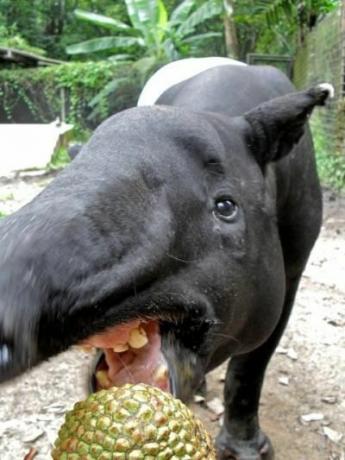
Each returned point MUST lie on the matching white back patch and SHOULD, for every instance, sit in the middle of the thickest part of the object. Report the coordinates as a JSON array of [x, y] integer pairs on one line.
[[175, 72]]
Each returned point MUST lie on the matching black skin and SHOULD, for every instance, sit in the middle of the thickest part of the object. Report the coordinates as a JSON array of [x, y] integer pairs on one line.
[[202, 215]]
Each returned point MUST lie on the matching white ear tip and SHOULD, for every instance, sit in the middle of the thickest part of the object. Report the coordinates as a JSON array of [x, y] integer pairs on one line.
[[328, 87]]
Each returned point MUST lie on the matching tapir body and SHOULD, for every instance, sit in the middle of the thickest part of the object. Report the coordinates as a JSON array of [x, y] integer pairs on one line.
[[196, 217]]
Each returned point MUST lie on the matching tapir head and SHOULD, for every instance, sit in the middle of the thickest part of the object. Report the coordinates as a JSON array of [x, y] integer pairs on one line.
[[158, 245]]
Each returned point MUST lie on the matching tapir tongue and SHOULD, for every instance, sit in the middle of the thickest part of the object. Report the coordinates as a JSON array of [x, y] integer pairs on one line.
[[145, 364]]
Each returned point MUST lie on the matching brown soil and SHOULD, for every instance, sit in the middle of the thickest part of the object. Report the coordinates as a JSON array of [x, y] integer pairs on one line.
[[306, 375]]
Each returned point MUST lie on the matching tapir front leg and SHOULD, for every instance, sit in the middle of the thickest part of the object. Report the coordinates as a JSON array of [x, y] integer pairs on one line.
[[241, 437]]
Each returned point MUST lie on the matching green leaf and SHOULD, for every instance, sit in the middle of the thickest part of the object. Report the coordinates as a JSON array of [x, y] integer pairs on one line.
[[206, 11], [170, 50], [108, 89], [200, 37], [162, 15], [103, 43], [150, 17], [100, 20], [274, 10], [145, 67], [144, 64], [181, 13], [121, 58], [142, 13]]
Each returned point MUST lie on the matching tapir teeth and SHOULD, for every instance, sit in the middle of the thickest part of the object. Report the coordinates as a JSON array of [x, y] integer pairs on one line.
[[161, 372], [121, 347], [103, 379], [86, 348], [138, 338]]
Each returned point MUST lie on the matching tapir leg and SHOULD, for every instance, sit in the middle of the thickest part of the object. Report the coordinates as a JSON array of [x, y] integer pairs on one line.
[[241, 437]]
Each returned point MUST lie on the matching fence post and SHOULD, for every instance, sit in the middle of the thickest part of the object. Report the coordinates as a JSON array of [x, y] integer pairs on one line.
[[63, 104]]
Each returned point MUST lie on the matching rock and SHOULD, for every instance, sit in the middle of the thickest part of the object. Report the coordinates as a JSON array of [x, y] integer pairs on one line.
[[337, 322], [281, 350], [329, 399], [292, 354], [284, 380], [312, 417], [332, 435], [222, 377], [31, 434], [56, 408], [216, 406]]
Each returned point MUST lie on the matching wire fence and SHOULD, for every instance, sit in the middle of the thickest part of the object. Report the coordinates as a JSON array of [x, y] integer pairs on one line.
[[322, 59]]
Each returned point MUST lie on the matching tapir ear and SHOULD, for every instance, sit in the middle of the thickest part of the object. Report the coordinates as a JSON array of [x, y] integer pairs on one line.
[[277, 125]]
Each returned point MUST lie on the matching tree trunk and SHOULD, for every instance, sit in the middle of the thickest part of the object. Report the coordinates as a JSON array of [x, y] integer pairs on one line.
[[231, 42]]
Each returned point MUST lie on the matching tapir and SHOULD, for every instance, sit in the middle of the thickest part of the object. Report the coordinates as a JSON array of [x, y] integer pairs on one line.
[[175, 240]]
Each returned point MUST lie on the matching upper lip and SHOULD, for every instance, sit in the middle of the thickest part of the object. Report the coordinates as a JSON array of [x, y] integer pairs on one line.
[[53, 335]]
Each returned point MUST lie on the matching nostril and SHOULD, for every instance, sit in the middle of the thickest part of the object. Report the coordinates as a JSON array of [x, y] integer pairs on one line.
[[5, 355]]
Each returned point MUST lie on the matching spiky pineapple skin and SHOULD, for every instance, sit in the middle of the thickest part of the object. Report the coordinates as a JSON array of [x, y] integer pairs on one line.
[[134, 422]]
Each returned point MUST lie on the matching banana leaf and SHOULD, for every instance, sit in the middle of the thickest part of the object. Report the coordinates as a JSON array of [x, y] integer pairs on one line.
[[181, 13], [200, 37], [104, 43], [206, 11], [100, 20], [150, 17]]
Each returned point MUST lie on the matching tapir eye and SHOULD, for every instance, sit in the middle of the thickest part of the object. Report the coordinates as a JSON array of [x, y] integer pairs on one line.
[[225, 209]]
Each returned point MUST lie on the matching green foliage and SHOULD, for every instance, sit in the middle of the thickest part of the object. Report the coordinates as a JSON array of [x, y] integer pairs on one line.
[[304, 11], [19, 43], [50, 24], [330, 165], [101, 20], [2, 214], [59, 160], [149, 38], [331, 169], [300, 16], [277, 26], [150, 33], [261, 25], [10, 38], [40, 91], [104, 43], [254, 35]]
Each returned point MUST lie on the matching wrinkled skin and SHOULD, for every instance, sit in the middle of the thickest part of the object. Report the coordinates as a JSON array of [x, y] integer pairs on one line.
[[131, 230]]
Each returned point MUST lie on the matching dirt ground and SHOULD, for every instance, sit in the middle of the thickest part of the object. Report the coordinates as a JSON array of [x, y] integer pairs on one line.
[[303, 403]]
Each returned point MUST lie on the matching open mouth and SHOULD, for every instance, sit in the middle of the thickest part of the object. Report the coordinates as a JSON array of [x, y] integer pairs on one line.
[[130, 353]]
